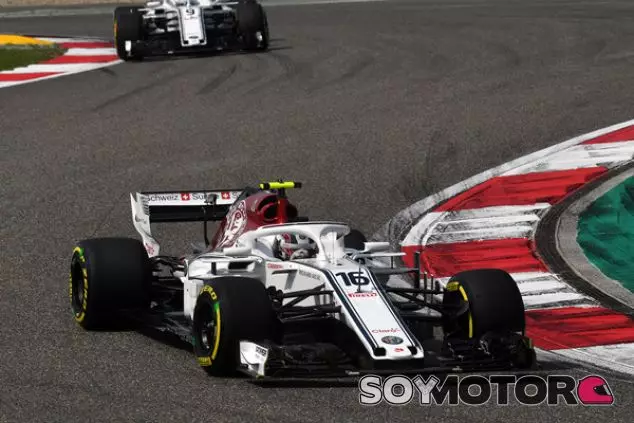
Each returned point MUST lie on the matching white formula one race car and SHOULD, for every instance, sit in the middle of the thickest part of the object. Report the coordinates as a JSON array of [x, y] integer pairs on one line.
[[275, 295], [163, 27]]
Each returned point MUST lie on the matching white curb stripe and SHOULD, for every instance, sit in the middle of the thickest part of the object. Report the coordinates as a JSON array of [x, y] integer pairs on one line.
[[481, 224], [582, 156], [537, 287], [558, 299], [71, 40], [91, 52], [484, 234], [495, 211], [71, 67]]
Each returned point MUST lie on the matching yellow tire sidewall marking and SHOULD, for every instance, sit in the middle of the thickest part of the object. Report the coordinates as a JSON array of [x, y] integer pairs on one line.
[[466, 299], [79, 317], [456, 286], [208, 360], [217, 342]]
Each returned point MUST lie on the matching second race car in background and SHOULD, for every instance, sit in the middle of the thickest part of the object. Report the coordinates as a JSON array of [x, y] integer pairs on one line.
[[162, 27]]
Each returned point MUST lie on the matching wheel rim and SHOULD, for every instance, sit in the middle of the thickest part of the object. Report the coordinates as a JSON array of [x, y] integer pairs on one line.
[[78, 294], [206, 330], [207, 335]]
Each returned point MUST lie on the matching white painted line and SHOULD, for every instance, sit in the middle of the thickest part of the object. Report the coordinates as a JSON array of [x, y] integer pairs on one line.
[[463, 222], [488, 233], [532, 301], [582, 156], [71, 67], [91, 52], [71, 40], [495, 211], [98, 66], [619, 357], [542, 287], [477, 224], [533, 276]]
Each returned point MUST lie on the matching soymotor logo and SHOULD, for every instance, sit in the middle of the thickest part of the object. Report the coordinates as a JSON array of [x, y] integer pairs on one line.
[[478, 390]]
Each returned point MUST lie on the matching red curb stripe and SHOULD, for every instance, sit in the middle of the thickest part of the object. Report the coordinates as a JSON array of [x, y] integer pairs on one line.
[[443, 260], [578, 327], [625, 134], [65, 60], [96, 44], [11, 77], [516, 190]]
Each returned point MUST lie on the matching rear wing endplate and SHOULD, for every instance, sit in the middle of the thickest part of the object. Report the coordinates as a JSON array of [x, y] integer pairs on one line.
[[185, 206]]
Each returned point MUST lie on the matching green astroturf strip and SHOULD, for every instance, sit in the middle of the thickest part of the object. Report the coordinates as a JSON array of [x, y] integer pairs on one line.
[[12, 57], [606, 233]]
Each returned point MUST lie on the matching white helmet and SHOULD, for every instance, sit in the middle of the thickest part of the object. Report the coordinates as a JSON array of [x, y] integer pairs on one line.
[[291, 247]]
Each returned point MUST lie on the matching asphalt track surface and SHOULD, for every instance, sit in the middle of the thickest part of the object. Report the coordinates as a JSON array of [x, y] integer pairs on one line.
[[373, 106]]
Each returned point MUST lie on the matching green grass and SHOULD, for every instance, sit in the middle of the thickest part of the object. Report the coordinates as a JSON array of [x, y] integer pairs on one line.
[[12, 57]]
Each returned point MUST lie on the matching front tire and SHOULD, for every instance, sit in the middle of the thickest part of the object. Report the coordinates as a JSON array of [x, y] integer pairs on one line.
[[491, 312], [493, 299], [108, 275], [228, 310]]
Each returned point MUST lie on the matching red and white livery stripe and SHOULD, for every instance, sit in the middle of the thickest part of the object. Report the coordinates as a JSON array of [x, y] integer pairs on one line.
[[490, 219], [82, 55]]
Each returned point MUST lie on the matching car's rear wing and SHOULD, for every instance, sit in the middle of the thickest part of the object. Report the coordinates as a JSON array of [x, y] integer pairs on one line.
[[183, 206], [188, 206]]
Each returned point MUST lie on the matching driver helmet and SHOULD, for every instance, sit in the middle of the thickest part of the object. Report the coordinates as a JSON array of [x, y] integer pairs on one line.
[[291, 247]]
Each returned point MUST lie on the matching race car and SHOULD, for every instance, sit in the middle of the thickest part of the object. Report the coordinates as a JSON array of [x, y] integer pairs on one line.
[[161, 27], [277, 295]]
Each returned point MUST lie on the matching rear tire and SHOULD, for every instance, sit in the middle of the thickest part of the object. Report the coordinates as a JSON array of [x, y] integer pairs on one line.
[[108, 275], [252, 21], [228, 310], [128, 26]]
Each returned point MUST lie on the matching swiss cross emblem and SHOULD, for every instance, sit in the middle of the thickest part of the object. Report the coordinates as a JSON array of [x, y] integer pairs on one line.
[[186, 196], [225, 195]]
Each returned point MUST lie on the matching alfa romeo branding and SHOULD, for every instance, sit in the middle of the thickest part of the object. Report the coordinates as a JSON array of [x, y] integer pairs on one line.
[[392, 340], [235, 225]]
